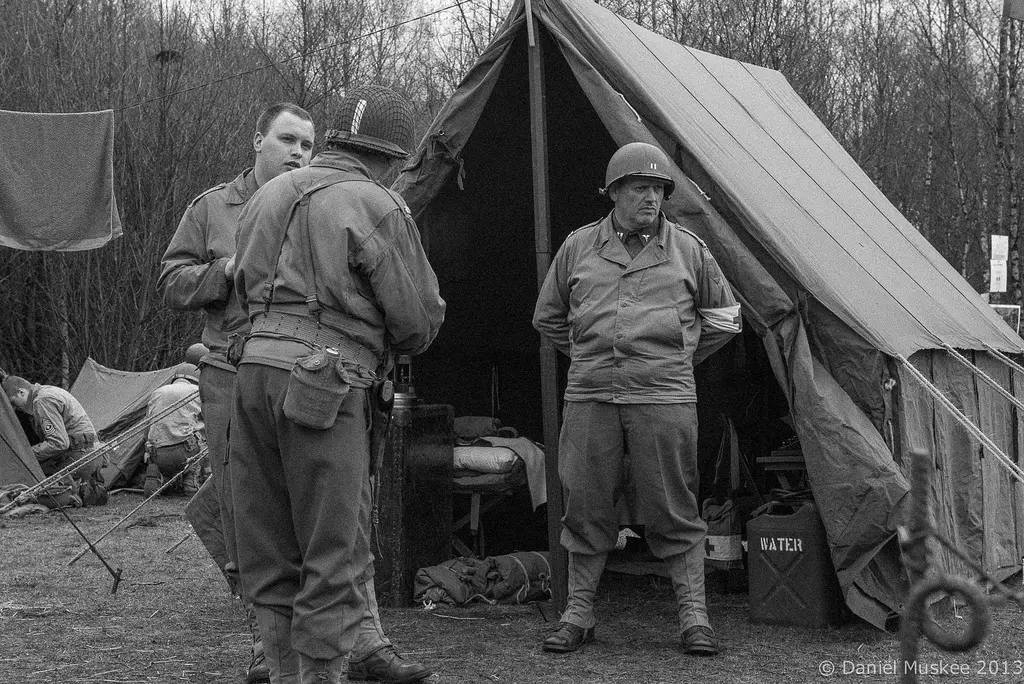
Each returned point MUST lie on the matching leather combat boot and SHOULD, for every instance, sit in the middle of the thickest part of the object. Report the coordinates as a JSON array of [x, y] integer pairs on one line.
[[258, 672], [386, 665], [190, 481], [153, 480]]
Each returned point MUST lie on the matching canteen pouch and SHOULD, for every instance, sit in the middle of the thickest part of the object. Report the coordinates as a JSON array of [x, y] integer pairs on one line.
[[317, 386]]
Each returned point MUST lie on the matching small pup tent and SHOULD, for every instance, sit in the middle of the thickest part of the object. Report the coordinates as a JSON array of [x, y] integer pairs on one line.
[[115, 401], [18, 465], [860, 320]]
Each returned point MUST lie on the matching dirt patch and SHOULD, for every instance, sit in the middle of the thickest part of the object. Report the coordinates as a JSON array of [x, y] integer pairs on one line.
[[172, 620]]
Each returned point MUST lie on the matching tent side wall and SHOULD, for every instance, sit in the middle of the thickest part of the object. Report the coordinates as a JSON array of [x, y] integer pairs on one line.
[[18, 465], [976, 504]]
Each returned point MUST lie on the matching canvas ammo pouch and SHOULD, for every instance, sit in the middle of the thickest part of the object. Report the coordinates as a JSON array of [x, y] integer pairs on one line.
[[317, 386]]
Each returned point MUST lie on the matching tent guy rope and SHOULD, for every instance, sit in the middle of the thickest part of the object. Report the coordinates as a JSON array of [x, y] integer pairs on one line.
[[964, 361], [1005, 359], [966, 422]]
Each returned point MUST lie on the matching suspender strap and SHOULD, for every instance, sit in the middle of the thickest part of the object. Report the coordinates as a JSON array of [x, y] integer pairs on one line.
[[300, 207]]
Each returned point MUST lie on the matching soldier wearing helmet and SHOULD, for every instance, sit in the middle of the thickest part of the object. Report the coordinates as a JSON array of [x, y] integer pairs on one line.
[[197, 274], [333, 276], [178, 436], [635, 301]]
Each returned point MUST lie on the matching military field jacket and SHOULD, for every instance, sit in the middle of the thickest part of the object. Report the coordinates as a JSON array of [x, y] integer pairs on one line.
[[192, 269], [59, 419], [180, 424], [633, 328], [364, 250]]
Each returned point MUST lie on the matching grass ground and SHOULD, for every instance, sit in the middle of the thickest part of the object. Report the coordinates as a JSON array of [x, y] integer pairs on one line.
[[172, 621]]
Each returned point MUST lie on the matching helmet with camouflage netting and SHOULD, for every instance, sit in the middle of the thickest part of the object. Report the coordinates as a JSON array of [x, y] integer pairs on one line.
[[374, 119]]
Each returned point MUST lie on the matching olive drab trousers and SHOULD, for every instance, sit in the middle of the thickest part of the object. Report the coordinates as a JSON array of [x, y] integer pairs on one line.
[[302, 506], [216, 394], [606, 450]]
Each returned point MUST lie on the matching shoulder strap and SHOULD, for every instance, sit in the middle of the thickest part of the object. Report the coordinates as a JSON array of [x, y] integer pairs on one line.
[[206, 192]]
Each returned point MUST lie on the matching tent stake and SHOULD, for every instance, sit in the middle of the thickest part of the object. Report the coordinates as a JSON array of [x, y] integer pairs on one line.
[[116, 574], [188, 464], [178, 543]]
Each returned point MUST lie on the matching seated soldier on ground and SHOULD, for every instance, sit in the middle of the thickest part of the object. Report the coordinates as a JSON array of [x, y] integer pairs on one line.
[[64, 429], [176, 437]]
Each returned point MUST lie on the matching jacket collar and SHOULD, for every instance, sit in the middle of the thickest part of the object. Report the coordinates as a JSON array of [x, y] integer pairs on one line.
[[342, 161], [31, 403], [242, 187], [610, 247]]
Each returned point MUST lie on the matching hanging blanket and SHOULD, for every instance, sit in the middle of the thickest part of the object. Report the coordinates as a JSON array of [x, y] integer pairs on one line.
[[57, 181], [513, 578], [533, 457]]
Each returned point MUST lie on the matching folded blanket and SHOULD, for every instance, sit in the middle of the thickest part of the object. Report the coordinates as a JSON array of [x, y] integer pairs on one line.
[[57, 181]]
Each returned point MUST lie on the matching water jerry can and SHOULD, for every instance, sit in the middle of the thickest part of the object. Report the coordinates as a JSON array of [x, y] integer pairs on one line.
[[791, 577]]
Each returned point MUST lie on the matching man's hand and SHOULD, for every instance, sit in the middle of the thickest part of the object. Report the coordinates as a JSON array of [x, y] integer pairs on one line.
[[229, 268]]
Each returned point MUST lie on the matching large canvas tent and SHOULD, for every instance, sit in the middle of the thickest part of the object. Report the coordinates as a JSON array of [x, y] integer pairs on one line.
[[843, 294]]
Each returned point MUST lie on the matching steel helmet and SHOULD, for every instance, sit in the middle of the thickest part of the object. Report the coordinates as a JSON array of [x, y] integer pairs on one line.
[[374, 119], [188, 371], [639, 159], [196, 352]]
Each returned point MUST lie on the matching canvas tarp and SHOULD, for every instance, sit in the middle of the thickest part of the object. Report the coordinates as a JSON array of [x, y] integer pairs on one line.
[[115, 400], [836, 282], [57, 181]]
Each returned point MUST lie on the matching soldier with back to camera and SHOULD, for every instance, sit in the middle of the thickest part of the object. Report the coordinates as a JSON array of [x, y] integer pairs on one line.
[[334, 278]]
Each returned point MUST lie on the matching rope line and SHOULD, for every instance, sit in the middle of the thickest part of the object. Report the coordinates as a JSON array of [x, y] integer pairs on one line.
[[964, 361], [1005, 359], [298, 55], [966, 422]]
